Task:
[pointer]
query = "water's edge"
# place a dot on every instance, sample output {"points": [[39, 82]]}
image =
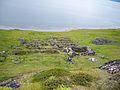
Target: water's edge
{"points": [[65, 30]]}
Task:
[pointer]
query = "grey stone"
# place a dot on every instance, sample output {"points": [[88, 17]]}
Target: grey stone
{"points": [[13, 84], [70, 60], [102, 41]]}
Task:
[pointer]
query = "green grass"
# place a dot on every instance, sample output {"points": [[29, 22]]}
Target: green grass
{"points": [[38, 62], [5, 88]]}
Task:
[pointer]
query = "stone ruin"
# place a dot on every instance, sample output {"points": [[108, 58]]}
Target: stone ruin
{"points": [[61, 42], [54, 44], [102, 41], [71, 48], [34, 44], [111, 66]]}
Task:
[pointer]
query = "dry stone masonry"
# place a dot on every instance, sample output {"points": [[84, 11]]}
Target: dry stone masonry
{"points": [[54, 44], [111, 66]]}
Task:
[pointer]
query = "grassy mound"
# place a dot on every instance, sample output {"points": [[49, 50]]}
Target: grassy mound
{"points": [[54, 83], [53, 78], [44, 75]]}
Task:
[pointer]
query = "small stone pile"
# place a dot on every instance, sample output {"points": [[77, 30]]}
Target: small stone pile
{"points": [[102, 41], [13, 84], [111, 66]]}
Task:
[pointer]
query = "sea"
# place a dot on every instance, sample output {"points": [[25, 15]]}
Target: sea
{"points": [[59, 15]]}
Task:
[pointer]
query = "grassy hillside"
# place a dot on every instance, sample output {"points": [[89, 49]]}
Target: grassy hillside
{"points": [[37, 62]]}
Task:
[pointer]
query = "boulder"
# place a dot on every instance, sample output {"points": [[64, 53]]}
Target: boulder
{"points": [[79, 49], [93, 59], [83, 50], [90, 51], [102, 41]]}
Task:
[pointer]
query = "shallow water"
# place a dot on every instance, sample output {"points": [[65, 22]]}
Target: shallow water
{"points": [[59, 15]]}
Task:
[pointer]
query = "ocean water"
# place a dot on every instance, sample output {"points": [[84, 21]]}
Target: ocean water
{"points": [[59, 15]]}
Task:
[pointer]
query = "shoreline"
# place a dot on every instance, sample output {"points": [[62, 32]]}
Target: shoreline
{"points": [[58, 30], [54, 29]]}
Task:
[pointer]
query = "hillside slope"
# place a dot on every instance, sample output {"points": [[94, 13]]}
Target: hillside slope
{"points": [[35, 62]]}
